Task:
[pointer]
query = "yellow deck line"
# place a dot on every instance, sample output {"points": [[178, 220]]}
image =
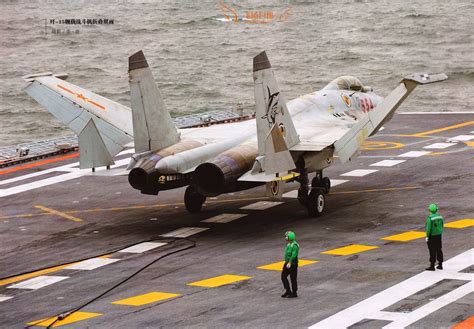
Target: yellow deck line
{"points": [[58, 213], [349, 250], [73, 317], [219, 281], [144, 299], [434, 131], [405, 236]]}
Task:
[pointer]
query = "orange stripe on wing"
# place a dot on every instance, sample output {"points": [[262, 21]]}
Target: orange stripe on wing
{"points": [[96, 104], [65, 89]]}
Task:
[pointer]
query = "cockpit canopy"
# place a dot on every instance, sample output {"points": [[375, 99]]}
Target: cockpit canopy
{"points": [[347, 82]]}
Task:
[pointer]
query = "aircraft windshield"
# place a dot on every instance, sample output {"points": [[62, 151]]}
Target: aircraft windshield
{"points": [[347, 82]]}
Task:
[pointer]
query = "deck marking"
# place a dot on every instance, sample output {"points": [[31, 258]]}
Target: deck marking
{"points": [[38, 282], [39, 163], [466, 324], [439, 145], [261, 205], [4, 298], [224, 218], [142, 247], [462, 138], [387, 163], [414, 154], [58, 213], [405, 236], [349, 250], [184, 232], [359, 172], [371, 308], [144, 299], [91, 264], [278, 266], [57, 179], [74, 317], [462, 223], [219, 281], [429, 132]]}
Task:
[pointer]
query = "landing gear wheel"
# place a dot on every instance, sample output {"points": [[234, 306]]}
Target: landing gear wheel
{"points": [[316, 203], [327, 185], [193, 200]]}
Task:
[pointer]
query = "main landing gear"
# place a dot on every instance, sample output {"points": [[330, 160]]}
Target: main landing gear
{"points": [[314, 200], [193, 200]]}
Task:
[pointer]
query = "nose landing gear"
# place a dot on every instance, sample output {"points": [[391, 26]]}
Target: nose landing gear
{"points": [[315, 200]]}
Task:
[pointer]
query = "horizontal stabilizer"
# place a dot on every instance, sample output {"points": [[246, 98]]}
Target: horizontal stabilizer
{"points": [[352, 141], [93, 152], [75, 107]]}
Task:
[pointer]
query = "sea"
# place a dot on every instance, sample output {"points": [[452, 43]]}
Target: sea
{"points": [[201, 52]]}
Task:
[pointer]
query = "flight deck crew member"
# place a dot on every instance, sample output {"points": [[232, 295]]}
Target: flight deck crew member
{"points": [[434, 231], [290, 267]]}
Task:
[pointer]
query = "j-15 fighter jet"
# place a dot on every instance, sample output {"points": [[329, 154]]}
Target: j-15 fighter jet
{"points": [[284, 143]]}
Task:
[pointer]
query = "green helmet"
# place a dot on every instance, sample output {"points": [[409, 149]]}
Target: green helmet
{"points": [[290, 236], [433, 208]]}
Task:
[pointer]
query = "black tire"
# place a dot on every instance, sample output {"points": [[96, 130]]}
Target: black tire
{"points": [[316, 203], [193, 200], [326, 184]]}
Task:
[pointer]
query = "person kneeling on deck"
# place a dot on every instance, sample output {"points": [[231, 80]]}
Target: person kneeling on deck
{"points": [[434, 231], [290, 267]]}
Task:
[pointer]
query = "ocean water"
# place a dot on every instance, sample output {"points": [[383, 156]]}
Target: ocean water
{"points": [[203, 62]]}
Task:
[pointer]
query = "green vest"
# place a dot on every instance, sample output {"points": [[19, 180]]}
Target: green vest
{"points": [[291, 252], [434, 225]]}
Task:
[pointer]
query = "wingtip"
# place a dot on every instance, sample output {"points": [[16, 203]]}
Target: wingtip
{"points": [[261, 62], [137, 61]]}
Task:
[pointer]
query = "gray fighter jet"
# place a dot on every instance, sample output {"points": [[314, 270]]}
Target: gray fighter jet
{"points": [[285, 142]]}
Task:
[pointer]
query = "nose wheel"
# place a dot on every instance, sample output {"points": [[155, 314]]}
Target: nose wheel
{"points": [[193, 200]]}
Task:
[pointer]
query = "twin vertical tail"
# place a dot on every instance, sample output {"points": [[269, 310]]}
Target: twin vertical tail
{"points": [[153, 127], [276, 132]]}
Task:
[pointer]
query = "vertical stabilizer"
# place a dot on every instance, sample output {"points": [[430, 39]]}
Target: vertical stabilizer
{"points": [[153, 127], [270, 106]]}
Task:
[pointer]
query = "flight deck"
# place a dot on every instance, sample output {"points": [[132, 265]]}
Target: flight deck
{"points": [[83, 241]]}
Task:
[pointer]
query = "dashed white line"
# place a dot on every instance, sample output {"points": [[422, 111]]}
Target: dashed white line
{"points": [[387, 163], [91, 264], [439, 145], [223, 218], [38, 282], [261, 205], [414, 154], [142, 247], [4, 298], [462, 138], [184, 232], [359, 172], [372, 307]]}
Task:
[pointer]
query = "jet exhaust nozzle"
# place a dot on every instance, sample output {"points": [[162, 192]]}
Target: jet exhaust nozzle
{"points": [[142, 172], [220, 175]]}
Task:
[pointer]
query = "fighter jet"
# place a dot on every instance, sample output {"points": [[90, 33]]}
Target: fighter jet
{"points": [[285, 142]]}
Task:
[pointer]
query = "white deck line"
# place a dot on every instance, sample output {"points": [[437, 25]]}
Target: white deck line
{"points": [[371, 308], [54, 180], [142, 247], [184, 232], [223, 218], [38, 282], [462, 138], [359, 172], [4, 298], [261, 205], [387, 163], [414, 154], [91, 264], [439, 145]]}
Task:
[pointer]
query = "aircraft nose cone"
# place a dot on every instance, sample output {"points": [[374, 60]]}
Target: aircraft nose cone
{"points": [[137, 178]]}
